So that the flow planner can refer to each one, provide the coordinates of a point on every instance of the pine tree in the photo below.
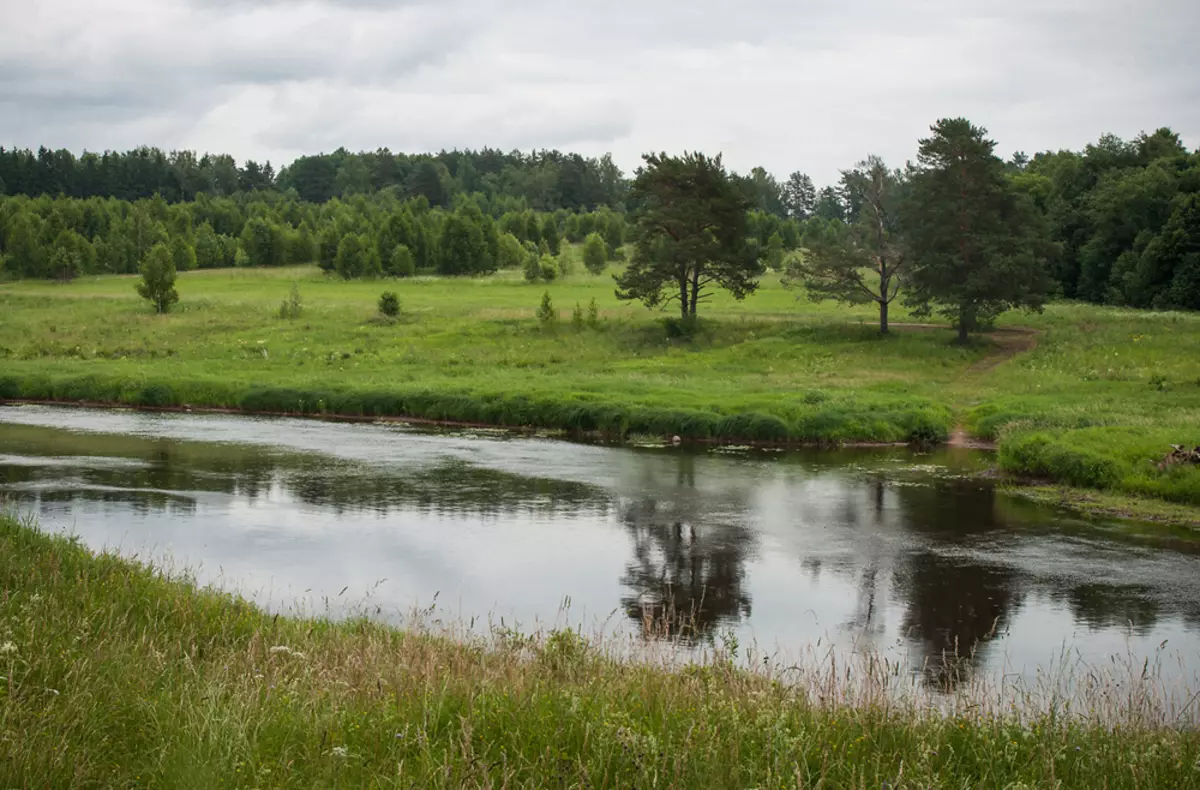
(978, 246)
(690, 234)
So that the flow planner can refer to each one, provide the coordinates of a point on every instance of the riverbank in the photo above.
(114, 675)
(1087, 396)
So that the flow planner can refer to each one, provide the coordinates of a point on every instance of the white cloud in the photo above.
(788, 85)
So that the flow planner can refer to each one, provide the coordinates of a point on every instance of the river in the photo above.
(913, 556)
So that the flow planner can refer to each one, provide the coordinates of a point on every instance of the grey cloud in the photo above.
(811, 86)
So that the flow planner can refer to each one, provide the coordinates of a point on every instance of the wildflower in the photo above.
(7, 647)
(285, 650)
(340, 751)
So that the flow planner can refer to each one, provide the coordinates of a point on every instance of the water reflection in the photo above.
(856, 548)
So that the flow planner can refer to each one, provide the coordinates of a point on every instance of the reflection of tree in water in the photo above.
(451, 487)
(954, 605)
(953, 610)
(1107, 605)
(686, 575)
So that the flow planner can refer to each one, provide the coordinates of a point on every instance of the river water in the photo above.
(884, 551)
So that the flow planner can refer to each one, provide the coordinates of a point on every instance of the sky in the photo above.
(799, 85)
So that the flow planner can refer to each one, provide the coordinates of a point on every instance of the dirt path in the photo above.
(1008, 342)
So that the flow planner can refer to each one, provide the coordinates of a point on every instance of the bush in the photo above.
(577, 318)
(158, 278)
(593, 314)
(548, 268)
(595, 254)
(402, 264)
(511, 254)
(291, 307)
(1039, 455)
(389, 304)
(546, 314)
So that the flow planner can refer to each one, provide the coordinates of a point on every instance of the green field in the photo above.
(113, 676)
(1082, 395)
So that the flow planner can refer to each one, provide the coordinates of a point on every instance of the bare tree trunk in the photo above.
(966, 322)
(883, 315)
(683, 295)
(695, 288)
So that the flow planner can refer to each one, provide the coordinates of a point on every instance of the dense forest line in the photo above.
(362, 236)
(1124, 216)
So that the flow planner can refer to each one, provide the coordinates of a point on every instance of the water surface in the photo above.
(907, 555)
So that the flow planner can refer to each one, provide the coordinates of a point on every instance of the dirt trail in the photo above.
(1008, 342)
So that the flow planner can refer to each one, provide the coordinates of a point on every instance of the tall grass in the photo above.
(113, 675)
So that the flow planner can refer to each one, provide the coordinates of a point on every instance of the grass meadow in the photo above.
(114, 675)
(1080, 395)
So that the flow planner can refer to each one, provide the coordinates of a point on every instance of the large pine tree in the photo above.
(690, 234)
(977, 245)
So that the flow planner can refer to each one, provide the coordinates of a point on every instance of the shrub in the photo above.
(389, 304)
(577, 318)
(158, 278)
(595, 253)
(532, 268)
(548, 268)
(402, 264)
(291, 307)
(593, 314)
(1039, 455)
(511, 255)
(546, 314)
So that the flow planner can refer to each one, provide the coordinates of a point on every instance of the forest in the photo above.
(1123, 216)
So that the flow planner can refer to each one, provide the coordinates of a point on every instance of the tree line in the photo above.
(1116, 223)
(959, 232)
(364, 236)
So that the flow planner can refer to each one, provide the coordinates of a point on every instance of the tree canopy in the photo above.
(690, 234)
(978, 246)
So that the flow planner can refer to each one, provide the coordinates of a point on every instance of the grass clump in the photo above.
(146, 681)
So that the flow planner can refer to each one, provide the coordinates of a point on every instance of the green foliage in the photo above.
(774, 254)
(356, 257)
(548, 269)
(512, 254)
(595, 253)
(546, 314)
(977, 244)
(182, 254)
(861, 261)
(691, 233)
(463, 247)
(550, 235)
(70, 256)
(577, 318)
(402, 263)
(210, 249)
(292, 307)
(158, 279)
(263, 242)
(389, 304)
(593, 314)
(328, 241)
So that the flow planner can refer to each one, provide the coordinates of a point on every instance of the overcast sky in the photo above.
(789, 85)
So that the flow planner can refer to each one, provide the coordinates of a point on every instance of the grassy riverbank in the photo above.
(114, 676)
(1083, 395)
